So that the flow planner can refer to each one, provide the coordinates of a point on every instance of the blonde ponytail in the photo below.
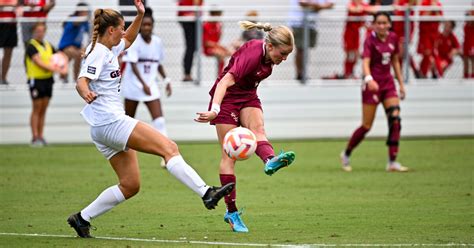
(281, 35)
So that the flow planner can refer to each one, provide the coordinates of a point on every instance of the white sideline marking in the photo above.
(234, 244)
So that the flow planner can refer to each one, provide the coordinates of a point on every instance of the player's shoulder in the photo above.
(156, 39)
(393, 36)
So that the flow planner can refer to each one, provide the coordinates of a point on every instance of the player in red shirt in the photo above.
(446, 47)
(468, 47)
(380, 53)
(398, 28)
(356, 8)
(212, 31)
(234, 102)
(429, 31)
(36, 10)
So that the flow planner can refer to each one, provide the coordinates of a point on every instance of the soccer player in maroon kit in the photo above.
(234, 102)
(380, 52)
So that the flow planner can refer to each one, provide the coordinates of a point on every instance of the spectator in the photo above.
(212, 31)
(296, 23)
(468, 47)
(189, 28)
(446, 48)
(9, 37)
(73, 34)
(356, 8)
(37, 10)
(398, 28)
(39, 72)
(251, 34)
(429, 32)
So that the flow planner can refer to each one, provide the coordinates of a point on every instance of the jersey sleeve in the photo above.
(396, 44)
(161, 53)
(116, 50)
(367, 52)
(246, 62)
(131, 54)
(31, 50)
(92, 65)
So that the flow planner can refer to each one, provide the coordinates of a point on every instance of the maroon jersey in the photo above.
(248, 67)
(380, 54)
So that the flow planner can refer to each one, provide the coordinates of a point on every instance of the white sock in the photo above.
(108, 199)
(159, 124)
(186, 175)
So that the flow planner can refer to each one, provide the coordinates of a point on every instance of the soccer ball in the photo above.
(240, 143)
(60, 60)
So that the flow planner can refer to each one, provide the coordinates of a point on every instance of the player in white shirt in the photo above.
(113, 132)
(143, 61)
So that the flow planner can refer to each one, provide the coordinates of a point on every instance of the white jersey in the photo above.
(102, 68)
(147, 57)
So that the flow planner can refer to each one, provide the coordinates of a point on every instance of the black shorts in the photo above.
(8, 35)
(40, 88)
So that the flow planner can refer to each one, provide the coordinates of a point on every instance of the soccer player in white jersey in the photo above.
(113, 132)
(143, 60)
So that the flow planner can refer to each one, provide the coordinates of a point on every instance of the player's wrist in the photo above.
(216, 108)
(368, 78)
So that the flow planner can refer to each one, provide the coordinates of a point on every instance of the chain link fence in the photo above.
(325, 59)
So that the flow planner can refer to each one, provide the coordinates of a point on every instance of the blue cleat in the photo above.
(278, 162)
(235, 221)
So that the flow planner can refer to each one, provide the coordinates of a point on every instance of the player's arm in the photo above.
(134, 28)
(49, 6)
(227, 81)
(82, 87)
(368, 79)
(161, 70)
(135, 71)
(37, 60)
(316, 7)
(398, 74)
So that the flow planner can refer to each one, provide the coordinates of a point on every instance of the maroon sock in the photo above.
(229, 199)
(265, 151)
(392, 153)
(356, 138)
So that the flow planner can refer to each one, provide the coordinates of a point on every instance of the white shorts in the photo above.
(112, 138)
(134, 91)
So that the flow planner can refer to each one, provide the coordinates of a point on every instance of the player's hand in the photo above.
(89, 97)
(403, 93)
(204, 117)
(168, 90)
(140, 6)
(373, 86)
(146, 89)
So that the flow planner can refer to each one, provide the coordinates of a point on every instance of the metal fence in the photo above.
(326, 59)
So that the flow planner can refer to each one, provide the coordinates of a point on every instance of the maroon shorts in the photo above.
(230, 112)
(386, 90)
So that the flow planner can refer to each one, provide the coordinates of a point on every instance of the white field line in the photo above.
(238, 244)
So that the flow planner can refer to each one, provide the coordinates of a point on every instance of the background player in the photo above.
(143, 60)
(113, 132)
(380, 52)
(234, 102)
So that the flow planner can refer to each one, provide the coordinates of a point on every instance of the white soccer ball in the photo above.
(240, 143)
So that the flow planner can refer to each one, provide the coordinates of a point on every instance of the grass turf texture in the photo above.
(313, 201)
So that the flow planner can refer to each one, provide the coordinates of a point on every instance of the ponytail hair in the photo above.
(103, 18)
(280, 35)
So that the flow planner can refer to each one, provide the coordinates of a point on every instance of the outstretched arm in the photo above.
(134, 28)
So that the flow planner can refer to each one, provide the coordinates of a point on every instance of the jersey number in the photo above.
(147, 68)
(385, 58)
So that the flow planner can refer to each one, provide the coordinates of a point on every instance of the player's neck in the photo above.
(106, 42)
(382, 37)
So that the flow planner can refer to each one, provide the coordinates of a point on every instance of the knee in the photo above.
(130, 187)
(258, 130)
(170, 149)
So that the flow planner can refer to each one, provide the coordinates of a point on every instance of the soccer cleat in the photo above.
(278, 162)
(396, 167)
(235, 221)
(214, 194)
(345, 161)
(163, 163)
(81, 226)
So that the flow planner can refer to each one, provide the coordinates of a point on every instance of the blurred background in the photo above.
(321, 106)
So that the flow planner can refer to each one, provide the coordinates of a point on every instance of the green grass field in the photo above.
(311, 202)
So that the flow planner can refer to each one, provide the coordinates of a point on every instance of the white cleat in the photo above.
(396, 167)
(346, 163)
(163, 163)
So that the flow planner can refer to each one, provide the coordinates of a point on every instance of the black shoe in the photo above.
(81, 226)
(214, 194)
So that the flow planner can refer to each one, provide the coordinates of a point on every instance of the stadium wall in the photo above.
(322, 109)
